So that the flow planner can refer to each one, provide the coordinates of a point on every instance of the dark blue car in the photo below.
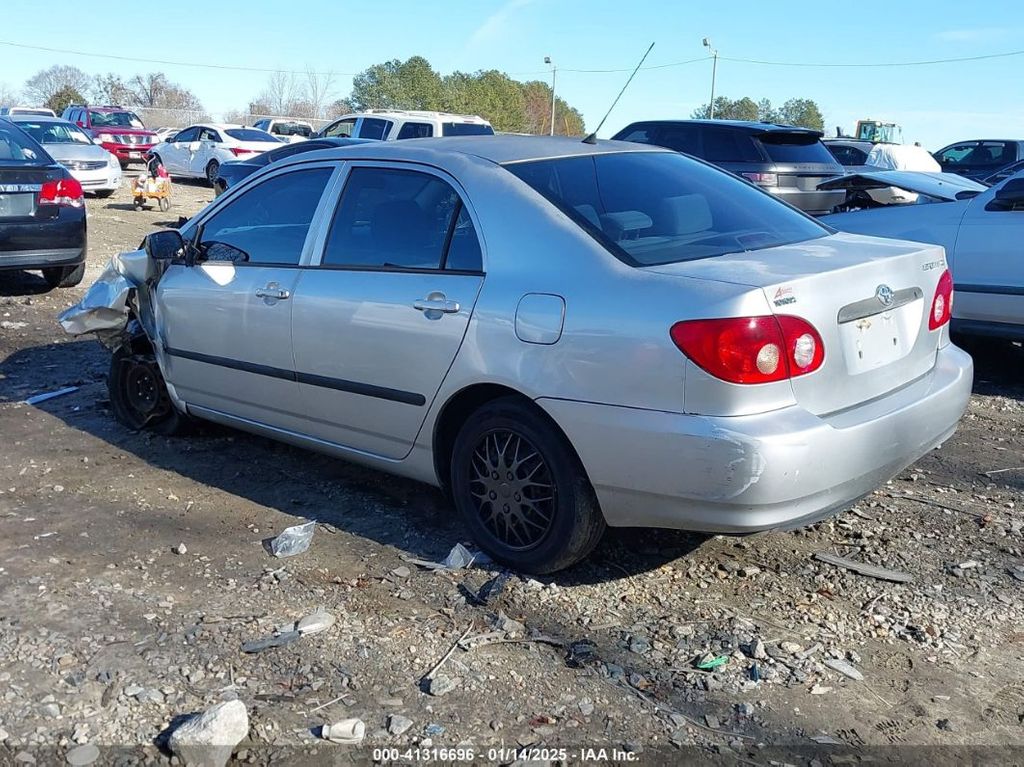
(979, 158)
(231, 173)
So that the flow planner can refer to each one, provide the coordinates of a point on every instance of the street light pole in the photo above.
(714, 72)
(554, 72)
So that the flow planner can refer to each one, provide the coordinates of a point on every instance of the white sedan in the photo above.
(981, 230)
(199, 150)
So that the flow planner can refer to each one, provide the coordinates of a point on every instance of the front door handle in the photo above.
(436, 302)
(273, 291)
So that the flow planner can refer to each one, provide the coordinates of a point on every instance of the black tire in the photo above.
(138, 396)
(533, 532)
(64, 276)
(104, 193)
(165, 204)
(211, 171)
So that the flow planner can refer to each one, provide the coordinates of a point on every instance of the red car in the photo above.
(119, 130)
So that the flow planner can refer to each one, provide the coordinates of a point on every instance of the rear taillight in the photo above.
(66, 193)
(751, 350)
(238, 151)
(762, 179)
(942, 304)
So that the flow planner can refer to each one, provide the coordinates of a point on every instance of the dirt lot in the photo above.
(110, 628)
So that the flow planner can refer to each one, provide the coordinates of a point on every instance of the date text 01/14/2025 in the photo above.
(502, 754)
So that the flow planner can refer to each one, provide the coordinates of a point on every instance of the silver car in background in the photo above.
(96, 169)
(562, 335)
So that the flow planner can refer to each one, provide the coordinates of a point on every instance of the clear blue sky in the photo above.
(935, 104)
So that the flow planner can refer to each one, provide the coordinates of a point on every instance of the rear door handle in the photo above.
(436, 303)
(273, 291)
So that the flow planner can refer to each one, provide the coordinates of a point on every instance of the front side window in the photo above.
(955, 155)
(341, 129)
(416, 130)
(187, 136)
(651, 208)
(374, 128)
(396, 219)
(847, 155)
(268, 223)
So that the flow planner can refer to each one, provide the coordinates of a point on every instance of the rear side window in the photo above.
(395, 219)
(991, 154)
(795, 148)
(18, 147)
(651, 208)
(374, 128)
(268, 223)
(725, 145)
(251, 134)
(466, 129)
(341, 129)
(416, 130)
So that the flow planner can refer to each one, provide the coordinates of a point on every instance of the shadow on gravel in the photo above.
(410, 516)
(22, 283)
(998, 366)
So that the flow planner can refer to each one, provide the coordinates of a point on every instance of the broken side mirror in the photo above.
(165, 245)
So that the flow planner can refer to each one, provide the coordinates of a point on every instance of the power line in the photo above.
(168, 62)
(873, 64)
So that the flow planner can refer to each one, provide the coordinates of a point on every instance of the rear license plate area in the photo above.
(869, 343)
(17, 205)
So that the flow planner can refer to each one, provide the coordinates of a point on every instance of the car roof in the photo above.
(501, 149)
(751, 125)
(24, 118)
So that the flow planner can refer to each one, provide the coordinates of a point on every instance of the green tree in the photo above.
(395, 84)
(111, 89)
(537, 102)
(727, 109)
(802, 112)
(63, 98)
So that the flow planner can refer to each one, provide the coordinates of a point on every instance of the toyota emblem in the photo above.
(884, 294)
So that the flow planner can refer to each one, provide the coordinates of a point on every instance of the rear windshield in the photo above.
(651, 208)
(795, 148)
(292, 129)
(32, 112)
(466, 129)
(115, 120)
(252, 134)
(19, 148)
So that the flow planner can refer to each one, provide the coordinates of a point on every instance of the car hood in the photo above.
(76, 152)
(941, 186)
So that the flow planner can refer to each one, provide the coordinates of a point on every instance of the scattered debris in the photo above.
(444, 659)
(863, 569)
(347, 732)
(458, 558)
(401, 572)
(314, 623)
(820, 690)
(181, 548)
(275, 640)
(827, 740)
(37, 398)
(12, 324)
(710, 661)
(293, 540)
(442, 684)
(398, 724)
(844, 668)
(209, 738)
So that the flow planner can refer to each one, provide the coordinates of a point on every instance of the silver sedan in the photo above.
(562, 335)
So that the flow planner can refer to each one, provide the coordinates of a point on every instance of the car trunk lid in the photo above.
(19, 190)
(868, 298)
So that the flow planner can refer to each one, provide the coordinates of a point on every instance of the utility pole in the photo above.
(714, 72)
(554, 72)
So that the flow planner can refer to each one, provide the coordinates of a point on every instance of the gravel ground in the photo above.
(133, 567)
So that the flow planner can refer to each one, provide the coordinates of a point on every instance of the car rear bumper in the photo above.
(748, 473)
(817, 203)
(35, 243)
(99, 180)
(37, 259)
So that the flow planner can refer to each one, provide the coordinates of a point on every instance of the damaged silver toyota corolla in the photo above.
(563, 335)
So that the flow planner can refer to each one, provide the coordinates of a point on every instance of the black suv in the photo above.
(787, 161)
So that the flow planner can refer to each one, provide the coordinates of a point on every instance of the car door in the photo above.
(209, 142)
(988, 262)
(175, 155)
(225, 320)
(379, 317)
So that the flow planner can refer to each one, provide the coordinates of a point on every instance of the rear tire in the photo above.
(521, 490)
(211, 172)
(165, 204)
(138, 395)
(64, 276)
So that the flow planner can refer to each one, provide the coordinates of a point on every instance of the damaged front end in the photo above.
(119, 305)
